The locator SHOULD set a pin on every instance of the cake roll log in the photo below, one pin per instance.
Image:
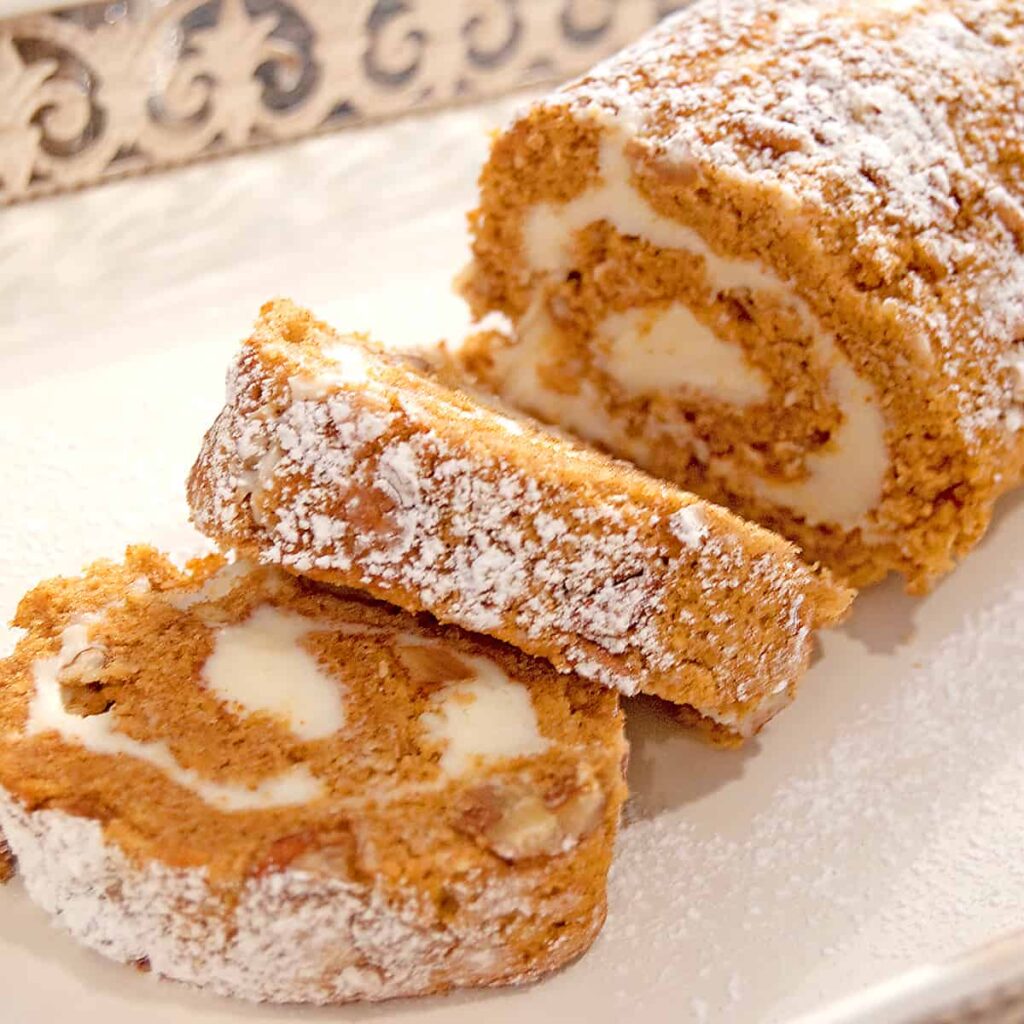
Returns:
(278, 793)
(773, 252)
(344, 462)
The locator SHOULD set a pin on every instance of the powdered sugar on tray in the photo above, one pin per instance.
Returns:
(861, 844)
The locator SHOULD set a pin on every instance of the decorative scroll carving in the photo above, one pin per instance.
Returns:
(104, 89)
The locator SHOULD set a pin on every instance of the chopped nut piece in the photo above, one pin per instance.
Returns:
(81, 683)
(580, 815)
(514, 821)
(434, 664)
(526, 828)
(332, 855)
(86, 701)
(85, 667)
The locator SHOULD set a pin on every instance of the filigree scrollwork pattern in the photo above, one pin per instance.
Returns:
(105, 89)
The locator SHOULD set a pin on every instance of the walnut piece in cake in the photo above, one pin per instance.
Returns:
(274, 792)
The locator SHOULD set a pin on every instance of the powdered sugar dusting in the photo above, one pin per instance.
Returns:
(689, 526)
(294, 936)
(387, 491)
(344, 366)
(905, 127)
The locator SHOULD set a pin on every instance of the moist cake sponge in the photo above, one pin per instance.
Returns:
(773, 252)
(350, 465)
(251, 784)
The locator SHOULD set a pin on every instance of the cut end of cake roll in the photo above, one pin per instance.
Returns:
(338, 460)
(773, 253)
(276, 792)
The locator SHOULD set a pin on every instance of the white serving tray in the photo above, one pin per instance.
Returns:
(875, 826)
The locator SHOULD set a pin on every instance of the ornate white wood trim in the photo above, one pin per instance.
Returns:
(100, 90)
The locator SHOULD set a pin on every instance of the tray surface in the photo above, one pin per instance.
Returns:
(876, 825)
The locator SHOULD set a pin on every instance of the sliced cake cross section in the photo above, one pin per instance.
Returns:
(251, 784)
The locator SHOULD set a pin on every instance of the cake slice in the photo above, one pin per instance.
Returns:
(278, 792)
(356, 467)
(774, 252)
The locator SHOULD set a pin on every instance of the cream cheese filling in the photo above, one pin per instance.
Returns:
(652, 350)
(99, 734)
(482, 719)
(658, 351)
(259, 666)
